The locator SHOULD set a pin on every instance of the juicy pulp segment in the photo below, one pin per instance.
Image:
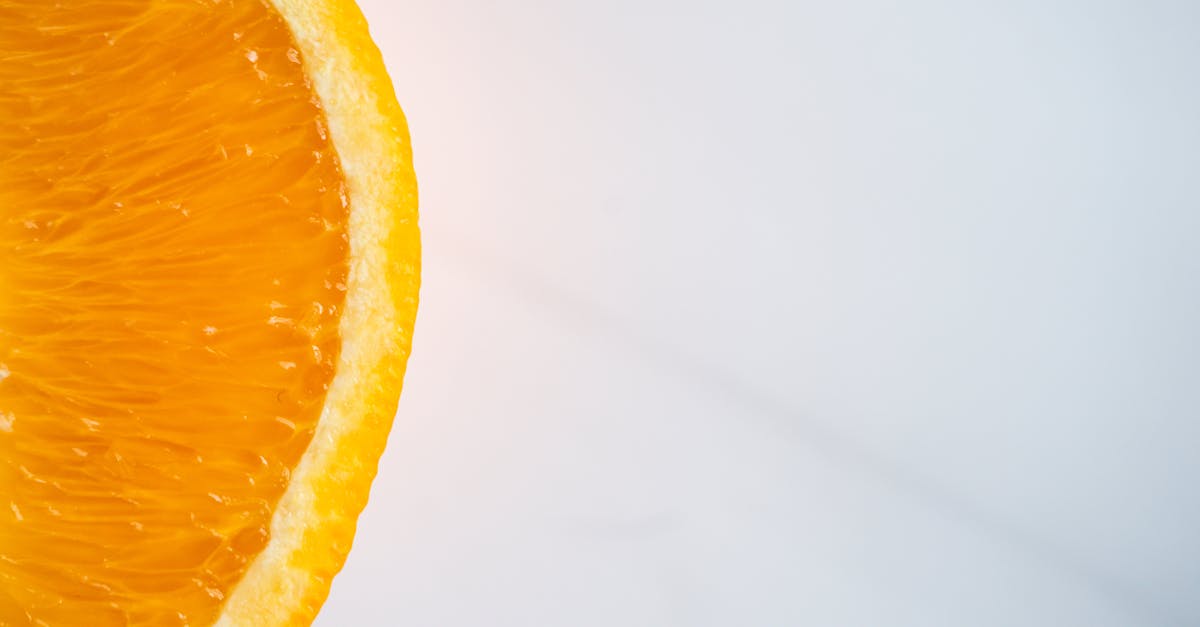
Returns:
(173, 258)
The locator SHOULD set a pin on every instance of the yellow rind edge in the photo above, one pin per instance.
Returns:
(314, 522)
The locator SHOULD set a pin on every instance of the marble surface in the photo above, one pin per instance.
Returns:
(783, 313)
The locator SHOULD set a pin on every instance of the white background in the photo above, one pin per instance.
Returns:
(795, 313)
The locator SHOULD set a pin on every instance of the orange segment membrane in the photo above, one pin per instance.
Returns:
(173, 258)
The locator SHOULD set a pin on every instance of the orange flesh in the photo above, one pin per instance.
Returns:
(173, 257)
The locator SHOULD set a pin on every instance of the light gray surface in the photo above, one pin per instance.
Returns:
(795, 313)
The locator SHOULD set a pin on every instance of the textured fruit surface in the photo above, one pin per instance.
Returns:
(174, 264)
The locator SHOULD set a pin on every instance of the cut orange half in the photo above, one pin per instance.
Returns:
(209, 266)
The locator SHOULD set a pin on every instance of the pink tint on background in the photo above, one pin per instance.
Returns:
(791, 313)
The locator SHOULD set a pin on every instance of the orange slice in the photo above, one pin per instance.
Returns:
(209, 266)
